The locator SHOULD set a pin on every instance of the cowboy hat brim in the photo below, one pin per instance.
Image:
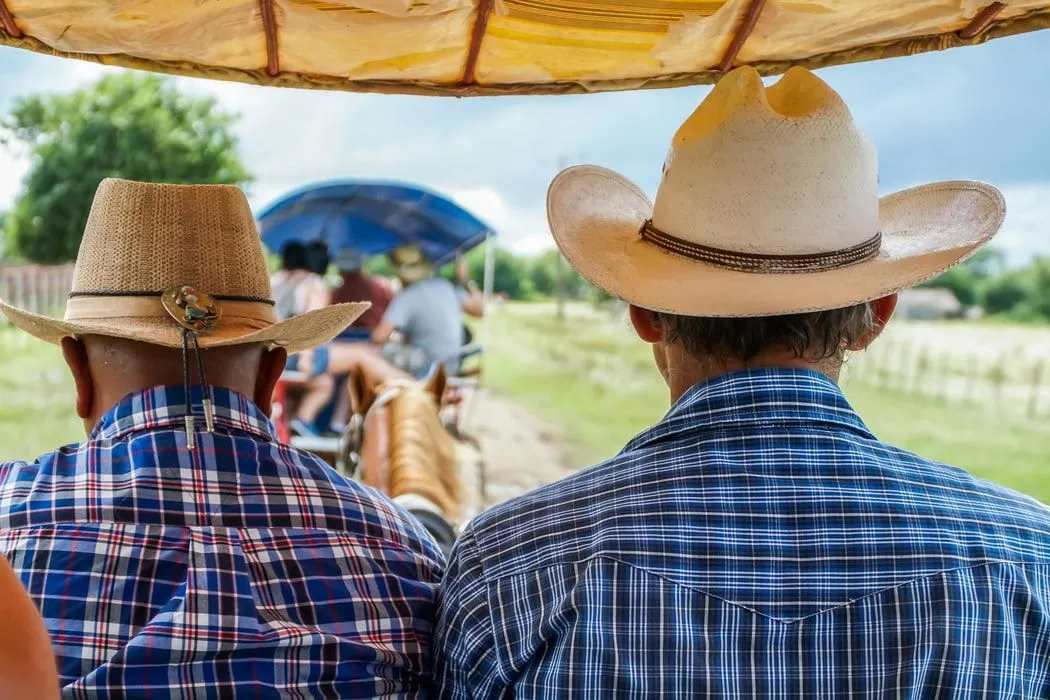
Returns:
(596, 214)
(295, 334)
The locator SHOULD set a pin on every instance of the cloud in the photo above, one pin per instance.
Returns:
(522, 229)
(1027, 227)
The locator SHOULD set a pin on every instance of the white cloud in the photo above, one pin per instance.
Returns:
(521, 229)
(1027, 227)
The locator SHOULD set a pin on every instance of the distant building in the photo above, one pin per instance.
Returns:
(929, 304)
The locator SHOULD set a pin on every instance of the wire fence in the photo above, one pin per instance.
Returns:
(1008, 381)
(41, 289)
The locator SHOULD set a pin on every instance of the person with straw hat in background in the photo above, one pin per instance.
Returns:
(181, 551)
(759, 540)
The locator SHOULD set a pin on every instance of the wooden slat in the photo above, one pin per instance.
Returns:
(979, 23)
(477, 35)
(269, 20)
(7, 21)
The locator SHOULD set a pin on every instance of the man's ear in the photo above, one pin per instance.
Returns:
(75, 353)
(882, 310)
(271, 364)
(647, 324)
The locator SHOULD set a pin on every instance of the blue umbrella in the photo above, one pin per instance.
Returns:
(370, 218)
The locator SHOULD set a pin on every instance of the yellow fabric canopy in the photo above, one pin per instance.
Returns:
(475, 47)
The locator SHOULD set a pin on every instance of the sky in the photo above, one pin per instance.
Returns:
(979, 112)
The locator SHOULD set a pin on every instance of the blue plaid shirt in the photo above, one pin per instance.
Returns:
(758, 541)
(242, 568)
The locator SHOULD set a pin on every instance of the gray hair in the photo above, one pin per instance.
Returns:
(815, 336)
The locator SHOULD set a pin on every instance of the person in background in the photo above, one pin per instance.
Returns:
(759, 540)
(359, 285)
(299, 288)
(427, 313)
(182, 551)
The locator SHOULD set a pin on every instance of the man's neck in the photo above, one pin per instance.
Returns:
(684, 372)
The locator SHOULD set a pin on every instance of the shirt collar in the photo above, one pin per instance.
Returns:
(165, 406)
(757, 397)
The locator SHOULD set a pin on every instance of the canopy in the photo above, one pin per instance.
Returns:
(371, 218)
(474, 47)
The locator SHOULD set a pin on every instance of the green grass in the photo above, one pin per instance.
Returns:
(36, 398)
(590, 377)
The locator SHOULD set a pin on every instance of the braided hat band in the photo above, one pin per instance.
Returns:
(761, 262)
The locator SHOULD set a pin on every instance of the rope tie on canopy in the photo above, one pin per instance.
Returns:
(477, 35)
(269, 21)
(981, 21)
(743, 31)
(7, 21)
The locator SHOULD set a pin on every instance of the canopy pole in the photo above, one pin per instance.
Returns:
(8, 22)
(490, 269)
(747, 25)
(269, 21)
(981, 21)
(486, 286)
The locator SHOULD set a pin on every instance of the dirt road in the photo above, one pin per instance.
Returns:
(520, 451)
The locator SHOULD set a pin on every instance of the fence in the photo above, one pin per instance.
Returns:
(41, 289)
(1008, 381)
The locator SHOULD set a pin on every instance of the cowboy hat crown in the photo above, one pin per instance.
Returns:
(811, 181)
(768, 205)
(158, 259)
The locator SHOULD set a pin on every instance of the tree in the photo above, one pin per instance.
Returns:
(126, 125)
(968, 279)
(1007, 292)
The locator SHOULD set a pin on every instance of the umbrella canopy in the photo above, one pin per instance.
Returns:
(371, 218)
(474, 47)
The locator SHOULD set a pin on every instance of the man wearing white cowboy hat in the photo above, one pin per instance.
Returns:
(181, 551)
(758, 541)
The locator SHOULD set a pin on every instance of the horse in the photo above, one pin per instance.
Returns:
(398, 441)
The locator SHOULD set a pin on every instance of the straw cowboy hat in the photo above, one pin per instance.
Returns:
(768, 205)
(159, 260)
(410, 265)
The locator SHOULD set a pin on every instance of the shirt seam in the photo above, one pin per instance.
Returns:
(470, 544)
(758, 613)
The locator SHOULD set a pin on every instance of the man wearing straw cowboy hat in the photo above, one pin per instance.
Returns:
(758, 541)
(181, 551)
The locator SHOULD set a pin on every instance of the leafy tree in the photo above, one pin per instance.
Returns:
(1006, 292)
(509, 272)
(551, 274)
(126, 125)
(967, 280)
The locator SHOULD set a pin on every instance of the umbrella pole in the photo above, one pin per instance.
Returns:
(490, 270)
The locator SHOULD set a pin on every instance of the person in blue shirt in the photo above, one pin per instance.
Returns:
(758, 541)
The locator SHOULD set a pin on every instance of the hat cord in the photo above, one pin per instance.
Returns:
(188, 418)
(191, 342)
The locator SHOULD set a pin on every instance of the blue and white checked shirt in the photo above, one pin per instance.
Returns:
(243, 568)
(758, 541)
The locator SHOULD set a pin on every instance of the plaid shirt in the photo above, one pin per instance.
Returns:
(242, 568)
(758, 541)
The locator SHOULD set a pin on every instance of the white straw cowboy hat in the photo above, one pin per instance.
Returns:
(157, 260)
(768, 205)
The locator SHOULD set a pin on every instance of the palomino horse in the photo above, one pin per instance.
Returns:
(399, 445)
(397, 442)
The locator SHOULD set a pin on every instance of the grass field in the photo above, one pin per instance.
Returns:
(589, 377)
(36, 397)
